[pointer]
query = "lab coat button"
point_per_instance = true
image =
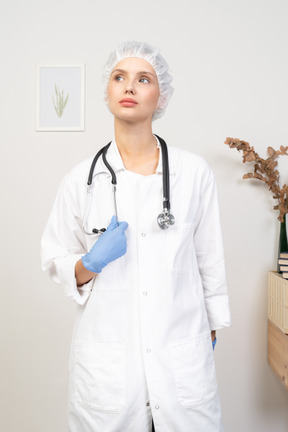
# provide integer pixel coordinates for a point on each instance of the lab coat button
(147, 404)
(157, 407)
(144, 292)
(148, 350)
(143, 234)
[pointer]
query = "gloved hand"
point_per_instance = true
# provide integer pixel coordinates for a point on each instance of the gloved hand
(214, 343)
(111, 245)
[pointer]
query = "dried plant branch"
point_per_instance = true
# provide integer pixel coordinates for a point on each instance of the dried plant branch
(265, 170)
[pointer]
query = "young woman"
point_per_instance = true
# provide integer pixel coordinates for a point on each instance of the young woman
(151, 289)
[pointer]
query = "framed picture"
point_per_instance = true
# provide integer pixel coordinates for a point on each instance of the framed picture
(60, 97)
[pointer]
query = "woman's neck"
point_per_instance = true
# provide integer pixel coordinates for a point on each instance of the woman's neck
(137, 146)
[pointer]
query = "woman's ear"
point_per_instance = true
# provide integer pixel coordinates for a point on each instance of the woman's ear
(161, 102)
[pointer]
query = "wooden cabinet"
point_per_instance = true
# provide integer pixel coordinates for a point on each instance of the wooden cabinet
(278, 352)
(278, 326)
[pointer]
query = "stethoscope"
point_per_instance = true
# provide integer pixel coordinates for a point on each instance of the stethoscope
(165, 219)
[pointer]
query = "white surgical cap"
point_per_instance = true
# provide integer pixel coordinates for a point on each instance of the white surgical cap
(151, 55)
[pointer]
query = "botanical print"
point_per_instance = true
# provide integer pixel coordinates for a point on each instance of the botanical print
(61, 102)
(60, 97)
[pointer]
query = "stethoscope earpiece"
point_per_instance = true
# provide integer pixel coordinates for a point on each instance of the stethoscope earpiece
(98, 231)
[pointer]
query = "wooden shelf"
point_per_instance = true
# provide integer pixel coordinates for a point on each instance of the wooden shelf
(278, 352)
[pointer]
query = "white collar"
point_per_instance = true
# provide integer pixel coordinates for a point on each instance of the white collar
(114, 159)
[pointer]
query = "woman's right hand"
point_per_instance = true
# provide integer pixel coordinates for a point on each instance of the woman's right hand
(111, 245)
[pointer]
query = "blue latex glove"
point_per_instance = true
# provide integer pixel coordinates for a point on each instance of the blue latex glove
(214, 343)
(111, 245)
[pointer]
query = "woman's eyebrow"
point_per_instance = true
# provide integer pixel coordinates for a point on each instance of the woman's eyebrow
(146, 73)
(138, 73)
(119, 70)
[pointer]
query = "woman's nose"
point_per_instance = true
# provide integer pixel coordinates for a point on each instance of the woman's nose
(130, 88)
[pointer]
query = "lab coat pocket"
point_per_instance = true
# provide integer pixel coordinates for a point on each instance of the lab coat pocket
(115, 276)
(179, 247)
(194, 370)
(100, 376)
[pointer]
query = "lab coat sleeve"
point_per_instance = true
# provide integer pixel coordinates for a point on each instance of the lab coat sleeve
(210, 254)
(62, 244)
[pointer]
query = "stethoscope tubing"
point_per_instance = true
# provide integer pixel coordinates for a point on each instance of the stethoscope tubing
(165, 219)
(92, 168)
(165, 174)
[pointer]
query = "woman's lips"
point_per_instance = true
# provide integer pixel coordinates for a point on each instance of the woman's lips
(128, 102)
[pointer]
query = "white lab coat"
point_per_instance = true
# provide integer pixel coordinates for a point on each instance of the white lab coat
(141, 344)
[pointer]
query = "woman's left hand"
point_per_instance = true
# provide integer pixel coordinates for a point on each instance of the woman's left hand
(213, 338)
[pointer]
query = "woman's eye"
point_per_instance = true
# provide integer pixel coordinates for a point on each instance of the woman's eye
(118, 78)
(144, 80)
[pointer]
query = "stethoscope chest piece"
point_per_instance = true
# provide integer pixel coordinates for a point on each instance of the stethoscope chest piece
(165, 220)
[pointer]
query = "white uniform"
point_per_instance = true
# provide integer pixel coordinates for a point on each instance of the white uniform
(142, 344)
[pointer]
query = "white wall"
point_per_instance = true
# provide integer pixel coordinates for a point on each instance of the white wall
(229, 62)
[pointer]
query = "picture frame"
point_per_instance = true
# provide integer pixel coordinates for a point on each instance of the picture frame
(60, 97)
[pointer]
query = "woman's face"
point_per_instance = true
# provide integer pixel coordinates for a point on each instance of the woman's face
(133, 90)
